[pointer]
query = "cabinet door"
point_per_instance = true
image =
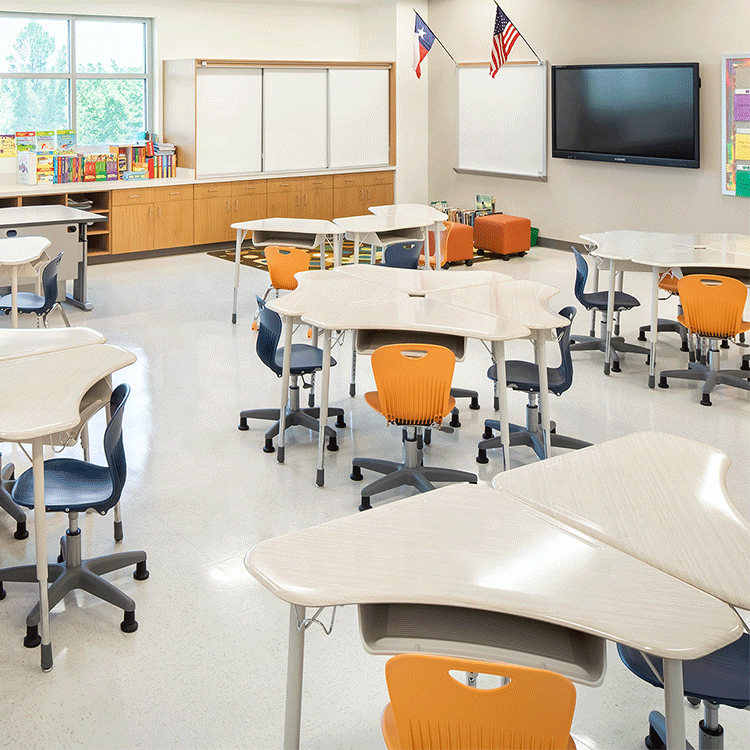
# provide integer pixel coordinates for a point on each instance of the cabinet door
(285, 205)
(349, 201)
(318, 204)
(173, 224)
(212, 219)
(378, 195)
(248, 208)
(132, 228)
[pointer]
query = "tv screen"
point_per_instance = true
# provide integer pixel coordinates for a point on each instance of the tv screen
(638, 114)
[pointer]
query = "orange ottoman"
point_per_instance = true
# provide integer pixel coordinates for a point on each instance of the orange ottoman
(502, 234)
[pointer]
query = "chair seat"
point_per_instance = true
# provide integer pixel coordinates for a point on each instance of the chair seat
(69, 485)
(743, 327)
(598, 300)
(721, 677)
(304, 359)
(524, 376)
(28, 302)
(373, 400)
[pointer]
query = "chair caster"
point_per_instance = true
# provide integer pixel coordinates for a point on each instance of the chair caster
(706, 400)
(129, 624)
(268, 447)
(482, 457)
(454, 420)
(653, 741)
(32, 638)
(428, 436)
(140, 573)
(470, 262)
(642, 336)
(365, 504)
(616, 367)
(745, 365)
(356, 474)
(21, 531)
(333, 446)
(2, 592)
(663, 383)
(488, 434)
(340, 421)
(684, 347)
(474, 405)
(505, 257)
(724, 344)
(694, 702)
(243, 424)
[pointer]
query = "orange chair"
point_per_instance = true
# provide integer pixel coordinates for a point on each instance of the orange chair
(283, 263)
(713, 307)
(414, 383)
(431, 710)
(668, 283)
(457, 245)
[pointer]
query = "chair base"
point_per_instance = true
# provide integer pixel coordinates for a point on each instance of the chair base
(712, 377)
(665, 325)
(461, 393)
(308, 418)
(617, 345)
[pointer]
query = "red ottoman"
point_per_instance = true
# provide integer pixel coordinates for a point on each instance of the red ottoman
(502, 234)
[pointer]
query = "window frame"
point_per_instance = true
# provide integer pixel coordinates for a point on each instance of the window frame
(73, 76)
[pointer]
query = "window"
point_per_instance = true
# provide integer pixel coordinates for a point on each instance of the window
(90, 74)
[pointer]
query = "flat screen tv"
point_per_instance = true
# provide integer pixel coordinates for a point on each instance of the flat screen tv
(636, 113)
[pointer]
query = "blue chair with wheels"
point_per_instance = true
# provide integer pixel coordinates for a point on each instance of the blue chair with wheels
(524, 376)
(402, 255)
(305, 359)
(598, 301)
(73, 486)
(28, 302)
(721, 678)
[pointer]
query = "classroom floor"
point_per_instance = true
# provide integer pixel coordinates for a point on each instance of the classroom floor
(206, 668)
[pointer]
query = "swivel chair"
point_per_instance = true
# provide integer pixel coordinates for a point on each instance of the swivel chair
(431, 710)
(713, 307)
(598, 301)
(721, 678)
(74, 486)
(402, 255)
(304, 360)
(524, 376)
(283, 263)
(668, 283)
(413, 382)
(28, 302)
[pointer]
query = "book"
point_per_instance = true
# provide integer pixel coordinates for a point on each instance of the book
(484, 202)
(27, 167)
(45, 166)
(65, 141)
(45, 140)
(26, 141)
(7, 145)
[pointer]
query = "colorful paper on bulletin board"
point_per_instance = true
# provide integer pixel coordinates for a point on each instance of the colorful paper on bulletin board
(7, 145)
(742, 107)
(742, 146)
(743, 183)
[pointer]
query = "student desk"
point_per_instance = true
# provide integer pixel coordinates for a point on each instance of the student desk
(45, 374)
(626, 250)
(510, 583)
(304, 233)
(17, 253)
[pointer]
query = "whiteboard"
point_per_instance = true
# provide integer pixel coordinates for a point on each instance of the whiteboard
(359, 116)
(228, 121)
(502, 121)
(295, 119)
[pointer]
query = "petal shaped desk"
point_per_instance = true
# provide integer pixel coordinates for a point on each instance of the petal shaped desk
(45, 373)
(18, 253)
(470, 571)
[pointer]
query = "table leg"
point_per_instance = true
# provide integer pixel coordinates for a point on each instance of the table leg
(285, 367)
(654, 332)
(353, 376)
(80, 282)
(610, 317)
(295, 666)
(356, 249)
(539, 338)
(592, 329)
(313, 342)
(438, 245)
(325, 380)
(322, 249)
(674, 710)
(338, 249)
(501, 394)
(14, 296)
(40, 544)
(237, 249)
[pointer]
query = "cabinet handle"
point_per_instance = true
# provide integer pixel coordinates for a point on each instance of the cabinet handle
(305, 199)
(298, 200)
(236, 205)
(348, 179)
(158, 212)
(213, 190)
(284, 184)
(150, 212)
(174, 192)
(229, 207)
(362, 194)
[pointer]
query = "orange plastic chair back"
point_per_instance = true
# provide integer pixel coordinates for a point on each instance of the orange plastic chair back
(414, 383)
(668, 282)
(712, 305)
(431, 710)
(283, 263)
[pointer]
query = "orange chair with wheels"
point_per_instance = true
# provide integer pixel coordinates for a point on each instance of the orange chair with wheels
(414, 383)
(457, 245)
(713, 307)
(283, 263)
(431, 710)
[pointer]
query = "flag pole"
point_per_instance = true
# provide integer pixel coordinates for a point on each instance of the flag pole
(438, 41)
(519, 34)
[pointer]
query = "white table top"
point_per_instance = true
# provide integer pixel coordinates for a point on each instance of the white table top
(45, 215)
(657, 497)
(410, 212)
(470, 546)
(24, 342)
(381, 223)
(678, 250)
(294, 226)
(15, 251)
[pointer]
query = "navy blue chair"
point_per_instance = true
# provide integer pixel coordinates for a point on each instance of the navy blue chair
(721, 678)
(72, 486)
(402, 254)
(598, 301)
(524, 376)
(304, 360)
(28, 302)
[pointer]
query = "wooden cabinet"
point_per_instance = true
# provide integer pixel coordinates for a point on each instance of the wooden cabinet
(212, 213)
(301, 197)
(353, 194)
(249, 200)
(378, 188)
(173, 216)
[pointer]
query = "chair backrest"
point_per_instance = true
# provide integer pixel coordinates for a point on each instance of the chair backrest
(582, 273)
(712, 305)
(114, 450)
(269, 333)
(402, 255)
(413, 382)
(565, 370)
(283, 263)
(49, 284)
(433, 710)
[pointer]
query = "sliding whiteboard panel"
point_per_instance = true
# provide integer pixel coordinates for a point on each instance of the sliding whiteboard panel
(359, 116)
(228, 121)
(295, 119)
(502, 121)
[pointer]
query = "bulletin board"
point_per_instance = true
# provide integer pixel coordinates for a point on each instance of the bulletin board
(736, 125)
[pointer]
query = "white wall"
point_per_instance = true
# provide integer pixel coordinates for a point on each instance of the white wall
(582, 196)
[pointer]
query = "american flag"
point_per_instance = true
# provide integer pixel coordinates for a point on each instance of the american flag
(503, 38)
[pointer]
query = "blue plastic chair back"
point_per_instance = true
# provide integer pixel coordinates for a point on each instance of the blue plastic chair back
(114, 450)
(269, 333)
(582, 273)
(402, 255)
(565, 370)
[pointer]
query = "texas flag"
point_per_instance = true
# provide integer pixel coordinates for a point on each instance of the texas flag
(423, 39)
